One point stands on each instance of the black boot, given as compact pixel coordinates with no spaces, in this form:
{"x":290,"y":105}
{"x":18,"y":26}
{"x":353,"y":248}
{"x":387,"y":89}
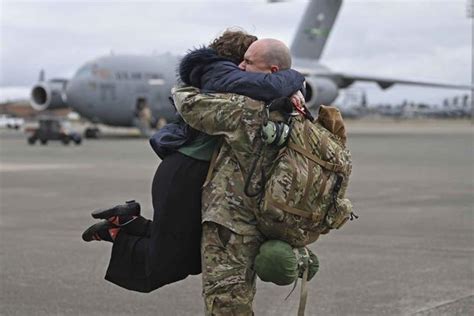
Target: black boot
{"x":129,"y":209}
{"x":127,"y":216}
{"x":99,"y":231}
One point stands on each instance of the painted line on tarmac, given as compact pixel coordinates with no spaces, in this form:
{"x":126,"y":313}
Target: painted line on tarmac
{"x":452,"y":304}
{"x":17,"y":167}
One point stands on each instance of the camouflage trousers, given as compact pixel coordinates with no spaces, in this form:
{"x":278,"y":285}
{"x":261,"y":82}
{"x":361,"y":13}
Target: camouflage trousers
{"x":227,"y":270}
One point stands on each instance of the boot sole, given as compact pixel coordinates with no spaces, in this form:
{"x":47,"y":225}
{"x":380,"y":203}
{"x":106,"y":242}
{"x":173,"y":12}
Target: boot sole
{"x":88,"y":234}
{"x":130,"y":208}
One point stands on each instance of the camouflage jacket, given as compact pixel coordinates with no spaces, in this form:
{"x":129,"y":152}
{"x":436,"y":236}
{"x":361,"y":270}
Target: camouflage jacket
{"x":238,"y":119}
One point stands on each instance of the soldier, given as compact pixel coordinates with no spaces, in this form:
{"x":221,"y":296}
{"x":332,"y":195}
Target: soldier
{"x":143,"y":117}
{"x":230,"y":237}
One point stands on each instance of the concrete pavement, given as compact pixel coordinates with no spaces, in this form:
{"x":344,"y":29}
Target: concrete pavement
{"x":410,"y":253}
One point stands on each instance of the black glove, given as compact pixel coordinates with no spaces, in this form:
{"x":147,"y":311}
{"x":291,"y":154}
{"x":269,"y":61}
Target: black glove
{"x":282,"y":105}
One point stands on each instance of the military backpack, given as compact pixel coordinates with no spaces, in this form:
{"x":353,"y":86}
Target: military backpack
{"x":304,"y":193}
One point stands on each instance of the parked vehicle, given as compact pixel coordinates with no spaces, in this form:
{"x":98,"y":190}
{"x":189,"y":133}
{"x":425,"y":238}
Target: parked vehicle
{"x":11,"y":121}
{"x":52,"y":128}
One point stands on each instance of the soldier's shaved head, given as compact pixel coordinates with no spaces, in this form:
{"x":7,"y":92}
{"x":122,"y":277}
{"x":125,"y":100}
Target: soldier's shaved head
{"x":266,"y":55}
{"x":276,"y":52}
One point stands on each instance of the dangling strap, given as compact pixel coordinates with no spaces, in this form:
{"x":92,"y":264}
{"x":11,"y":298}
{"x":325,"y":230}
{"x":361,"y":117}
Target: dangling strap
{"x":258,"y":157}
{"x":304,"y":293}
{"x":304,"y":289}
{"x":248,"y":180}
{"x":292,"y":290}
{"x":299,"y":261}
{"x":335,"y":191}
{"x":212,"y":164}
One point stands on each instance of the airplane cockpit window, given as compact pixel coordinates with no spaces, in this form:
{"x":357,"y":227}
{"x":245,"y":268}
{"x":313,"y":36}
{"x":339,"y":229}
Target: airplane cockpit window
{"x":84,"y":71}
{"x":153,"y":76}
{"x":121,"y":75}
{"x":102,"y":73}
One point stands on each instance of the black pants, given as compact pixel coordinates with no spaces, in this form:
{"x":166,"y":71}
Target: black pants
{"x":149,"y":254}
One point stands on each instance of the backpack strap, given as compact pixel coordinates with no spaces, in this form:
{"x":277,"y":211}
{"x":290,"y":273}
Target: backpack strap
{"x":325,"y":164}
{"x":309,"y":179}
{"x":322,"y":186}
{"x":294,"y":182}
{"x":309,"y":182}
{"x":290,"y":209}
{"x":324,"y":146}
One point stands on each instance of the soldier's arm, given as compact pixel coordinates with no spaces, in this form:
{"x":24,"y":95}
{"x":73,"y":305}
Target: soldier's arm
{"x":213,"y":114}
{"x":206,"y":70}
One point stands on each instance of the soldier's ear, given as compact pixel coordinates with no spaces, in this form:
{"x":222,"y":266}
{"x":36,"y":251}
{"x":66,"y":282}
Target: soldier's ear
{"x":274,"y":68}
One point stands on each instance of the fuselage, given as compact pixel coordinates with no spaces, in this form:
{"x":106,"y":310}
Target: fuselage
{"x":106,"y":90}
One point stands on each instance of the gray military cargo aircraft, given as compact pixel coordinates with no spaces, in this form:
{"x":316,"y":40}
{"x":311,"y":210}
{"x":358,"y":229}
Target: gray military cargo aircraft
{"x":108,"y":89}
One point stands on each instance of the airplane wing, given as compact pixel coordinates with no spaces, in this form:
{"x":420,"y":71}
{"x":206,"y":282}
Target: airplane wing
{"x":345,"y":80}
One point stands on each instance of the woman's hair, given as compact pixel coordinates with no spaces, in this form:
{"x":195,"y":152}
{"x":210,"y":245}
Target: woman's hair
{"x":233,"y":44}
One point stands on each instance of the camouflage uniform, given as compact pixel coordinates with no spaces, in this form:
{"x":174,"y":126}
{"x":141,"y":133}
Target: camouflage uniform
{"x":230,"y":236}
{"x":227,"y":270}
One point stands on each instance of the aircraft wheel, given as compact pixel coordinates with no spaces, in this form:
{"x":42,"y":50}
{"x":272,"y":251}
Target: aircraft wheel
{"x":43,"y":141}
{"x":31,"y":140}
{"x":91,"y":132}
{"x":65,"y":140}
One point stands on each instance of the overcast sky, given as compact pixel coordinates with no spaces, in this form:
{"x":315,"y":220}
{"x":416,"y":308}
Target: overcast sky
{"x":416,"y":40}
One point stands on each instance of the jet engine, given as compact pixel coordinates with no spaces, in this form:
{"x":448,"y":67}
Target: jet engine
{"x":49,"y":95}
{"x":320,"y":91}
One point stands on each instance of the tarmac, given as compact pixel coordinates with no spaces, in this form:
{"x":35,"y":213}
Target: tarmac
{"x":411,"y":252}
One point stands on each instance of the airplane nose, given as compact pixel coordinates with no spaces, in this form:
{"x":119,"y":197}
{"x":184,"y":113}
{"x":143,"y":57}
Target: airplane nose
{"x":80,"y":96}
{"x":72,"y":93}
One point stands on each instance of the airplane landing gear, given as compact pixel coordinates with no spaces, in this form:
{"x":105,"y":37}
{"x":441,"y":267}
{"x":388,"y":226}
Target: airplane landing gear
{"x":91,"y":132}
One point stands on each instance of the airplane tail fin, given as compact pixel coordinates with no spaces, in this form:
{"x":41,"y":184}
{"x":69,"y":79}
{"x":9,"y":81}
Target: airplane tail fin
{"x":314,"y":28}
{"x":41,"y":76}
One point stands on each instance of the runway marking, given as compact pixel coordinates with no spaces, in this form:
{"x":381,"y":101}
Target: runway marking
{"x":469,"y":299}
{"x":16,"y":167}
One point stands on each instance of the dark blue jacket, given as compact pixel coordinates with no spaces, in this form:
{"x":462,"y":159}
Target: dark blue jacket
{"x":204,"y":69}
